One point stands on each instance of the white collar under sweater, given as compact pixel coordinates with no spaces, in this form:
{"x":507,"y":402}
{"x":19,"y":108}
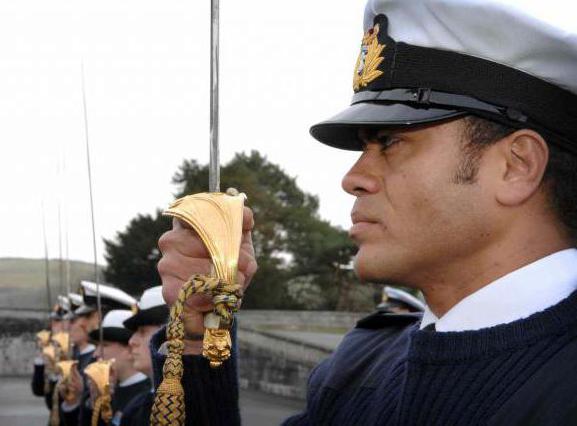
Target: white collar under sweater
{"x":528,"y":290}
{"x":87,"y":349}
{"x":135,"y":378}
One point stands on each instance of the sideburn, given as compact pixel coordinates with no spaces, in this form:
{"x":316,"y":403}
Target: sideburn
{"x":468,"y":167}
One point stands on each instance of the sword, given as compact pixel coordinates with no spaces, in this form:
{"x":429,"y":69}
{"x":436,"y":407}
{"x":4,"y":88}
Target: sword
{"x":217,"y":219}
{"x":214,"y":164}
{"x":46,"y":264}
{"x":94,"y":250}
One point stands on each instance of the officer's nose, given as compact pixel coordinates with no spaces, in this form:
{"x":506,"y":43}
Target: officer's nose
{"x":361,"y":178}
{"x":132,"y":342}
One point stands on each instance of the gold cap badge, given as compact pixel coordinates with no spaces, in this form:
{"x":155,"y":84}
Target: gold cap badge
{"x":369,"y":59}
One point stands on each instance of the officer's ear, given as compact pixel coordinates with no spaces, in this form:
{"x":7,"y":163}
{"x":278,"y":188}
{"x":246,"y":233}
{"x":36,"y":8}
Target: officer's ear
{"x":523,"y":160}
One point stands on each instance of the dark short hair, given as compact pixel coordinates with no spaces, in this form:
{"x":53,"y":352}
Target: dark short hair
{"x":560,"y":174}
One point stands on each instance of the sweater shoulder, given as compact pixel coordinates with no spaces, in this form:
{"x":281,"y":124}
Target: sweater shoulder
{"x":378,"y":343}
{"x":380,"y":320}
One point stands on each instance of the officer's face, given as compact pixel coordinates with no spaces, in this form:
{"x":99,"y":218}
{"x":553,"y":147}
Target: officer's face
{"x":411,"y":217}
{"x":56,"y":326}
{"x":120,"y":354}
{"x":139,"y":348}
{"x":78,"y":330}
{"x":93,"y":321}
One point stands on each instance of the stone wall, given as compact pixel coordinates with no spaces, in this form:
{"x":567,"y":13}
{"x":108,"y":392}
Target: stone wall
{"x":18,"y":345}
{"x":280,"y":364}
{"x":276,"y":365}
{"x":299,"y":318}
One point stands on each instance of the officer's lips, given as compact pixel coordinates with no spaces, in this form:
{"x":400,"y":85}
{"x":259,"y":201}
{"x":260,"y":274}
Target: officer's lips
{"x":361,"y":224}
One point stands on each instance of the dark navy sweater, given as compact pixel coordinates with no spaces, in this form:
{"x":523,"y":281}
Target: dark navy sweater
{"x":388,"y":372}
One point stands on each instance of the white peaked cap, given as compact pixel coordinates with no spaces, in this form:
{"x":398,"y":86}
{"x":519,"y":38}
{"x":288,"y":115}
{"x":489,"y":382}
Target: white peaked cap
{"x":75,"y":299}
{"x":64,"y":302}
{"x":421,"y":62}
{"x":116,"y":318}
{"x":403,"y":296}
{"x":539,"y":38}
{"x":108,"y":294}
{"x":113,"y":329}
{"x":151,"y":297}
{"x":151,"y":310}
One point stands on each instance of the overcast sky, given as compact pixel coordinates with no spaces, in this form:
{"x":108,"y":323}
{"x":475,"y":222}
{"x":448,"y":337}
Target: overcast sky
{"x":284,"y":66}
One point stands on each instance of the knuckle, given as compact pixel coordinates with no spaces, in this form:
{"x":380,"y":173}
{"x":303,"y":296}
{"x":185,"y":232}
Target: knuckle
{"x":162,"y":267}
{"x":253,"y":267}
{"x":164,"y":241}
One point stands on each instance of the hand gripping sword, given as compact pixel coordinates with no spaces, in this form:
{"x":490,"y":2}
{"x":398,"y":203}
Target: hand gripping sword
{"x":217,"y":219}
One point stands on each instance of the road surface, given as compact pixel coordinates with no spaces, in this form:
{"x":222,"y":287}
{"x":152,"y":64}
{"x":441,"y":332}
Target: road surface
{"x":18,"y":407}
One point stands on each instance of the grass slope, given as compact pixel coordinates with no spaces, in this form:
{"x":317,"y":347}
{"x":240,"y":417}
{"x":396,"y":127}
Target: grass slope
{"x":23,"y":281}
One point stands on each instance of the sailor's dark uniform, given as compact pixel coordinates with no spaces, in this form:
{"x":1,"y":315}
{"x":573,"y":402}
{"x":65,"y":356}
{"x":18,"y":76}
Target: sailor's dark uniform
{"x":137,"y":411}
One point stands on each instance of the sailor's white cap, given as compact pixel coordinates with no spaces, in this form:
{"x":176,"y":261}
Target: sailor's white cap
{"x":61,"y":309}
{"x":110,"y":297}
{"x":422,"y":61}
{"x":393,"y":296}
{"x":64,"y":302}
{"x":113,"y":329}
{"x":150,"y":310}
{"x":75,"y":300}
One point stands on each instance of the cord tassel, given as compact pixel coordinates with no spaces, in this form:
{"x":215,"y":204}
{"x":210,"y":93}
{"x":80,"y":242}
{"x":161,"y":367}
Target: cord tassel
{"x":169,"y":407}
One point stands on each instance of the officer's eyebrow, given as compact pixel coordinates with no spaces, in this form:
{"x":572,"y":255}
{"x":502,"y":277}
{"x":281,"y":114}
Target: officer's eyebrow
{"x":369,"y":134}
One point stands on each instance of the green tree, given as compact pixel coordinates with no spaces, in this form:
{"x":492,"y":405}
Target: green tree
{"x":132,"y":256}
{"x":293,"y":245}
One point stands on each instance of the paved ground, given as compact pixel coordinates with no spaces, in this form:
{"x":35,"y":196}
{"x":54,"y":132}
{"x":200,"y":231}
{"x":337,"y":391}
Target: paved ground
{"x":18,"y":407}
{"x":326,"y":340}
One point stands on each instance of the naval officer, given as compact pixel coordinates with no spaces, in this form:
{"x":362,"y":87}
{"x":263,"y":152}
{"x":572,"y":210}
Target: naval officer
{"x":464,"y":115}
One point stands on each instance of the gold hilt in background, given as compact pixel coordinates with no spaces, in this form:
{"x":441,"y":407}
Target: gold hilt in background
{"x":43,"y":338}
{"x":99,"y":373}
{"x":65,"y":370}
{"x":62,"y":342}
{"x":55,"y":350}
{"x":217,"y":219}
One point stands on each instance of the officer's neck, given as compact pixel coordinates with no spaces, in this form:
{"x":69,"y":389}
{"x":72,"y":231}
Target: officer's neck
{"x":456,"y":280}
{"x":125,"y":373}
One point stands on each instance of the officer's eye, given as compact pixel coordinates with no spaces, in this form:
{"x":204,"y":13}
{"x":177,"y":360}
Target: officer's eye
{"x":387,"y":141}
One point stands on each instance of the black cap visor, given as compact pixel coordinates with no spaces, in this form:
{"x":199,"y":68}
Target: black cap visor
{"x":157,"y":315}
{"x":84,"y":310}
{"x":341,"y":131}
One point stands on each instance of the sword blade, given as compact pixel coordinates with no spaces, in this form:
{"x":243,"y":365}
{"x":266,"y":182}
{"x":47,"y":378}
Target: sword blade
{"x":89,"y":167}
{"x":46,"y":263}
{"x":214,"y":165}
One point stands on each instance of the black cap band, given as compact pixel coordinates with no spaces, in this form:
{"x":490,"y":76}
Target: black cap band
{"x":111,"y":334}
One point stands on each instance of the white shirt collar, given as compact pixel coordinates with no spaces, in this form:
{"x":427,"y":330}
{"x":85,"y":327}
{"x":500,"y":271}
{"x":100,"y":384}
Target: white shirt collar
{"x":89,"y":348}
{"x":528,"y":290}
{"x":135,"y":378}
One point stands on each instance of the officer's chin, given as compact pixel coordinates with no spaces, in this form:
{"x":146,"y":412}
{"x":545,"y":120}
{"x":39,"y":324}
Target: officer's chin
{"x":369,"y":269}
{"x":364,"y":268}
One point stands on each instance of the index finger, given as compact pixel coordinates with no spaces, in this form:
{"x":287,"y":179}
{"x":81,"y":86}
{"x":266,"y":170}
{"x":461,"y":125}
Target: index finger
{"x":247,"y":219}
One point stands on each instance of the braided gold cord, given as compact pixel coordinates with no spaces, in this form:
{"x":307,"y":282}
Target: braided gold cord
{"x":55,"y":412}
{"x":106,"y":408}
{"x":102,"y":409}
{"x":168,"y":408}
{"x":96,"y":411}
{"x":46,"y":383}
